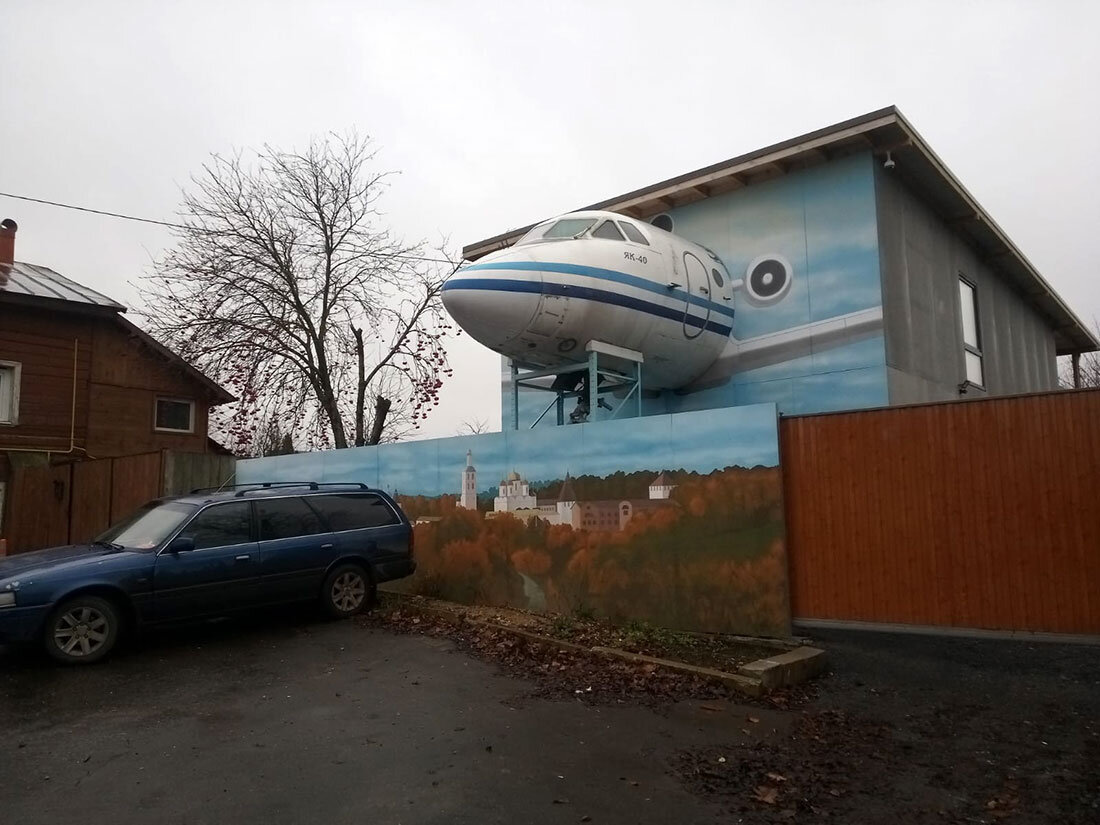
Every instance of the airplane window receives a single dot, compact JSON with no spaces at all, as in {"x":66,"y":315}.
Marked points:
{"x":607,"y":231}
{"x":535,"y":234}
{"x":716,"y":276}
{"x":568,"y":227}
{"x":633,"y":232}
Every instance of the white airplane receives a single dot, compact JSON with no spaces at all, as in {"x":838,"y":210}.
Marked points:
{"x":602,"y":277}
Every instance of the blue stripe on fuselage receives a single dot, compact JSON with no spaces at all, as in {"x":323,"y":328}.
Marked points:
{"x":602,"y":274}
{"x":586,"y":293}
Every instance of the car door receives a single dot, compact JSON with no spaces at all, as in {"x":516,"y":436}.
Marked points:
{"x":364,"y":524}
{"x":295,"y":549}
{"x":222,"y":573}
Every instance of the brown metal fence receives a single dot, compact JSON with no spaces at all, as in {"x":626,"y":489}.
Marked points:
{"x":979,"y":514}
{"x":49,"y":506}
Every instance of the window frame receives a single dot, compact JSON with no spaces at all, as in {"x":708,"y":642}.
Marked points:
{"x":614,"y":228}
{"x":257,"y":516}
{"x":626,"y":227}
{"x":15,"y":369}
{"x":253,"y":527}
{"x":190,"y":402}
{"x":972,"y":349}
{"x":326,"y":522}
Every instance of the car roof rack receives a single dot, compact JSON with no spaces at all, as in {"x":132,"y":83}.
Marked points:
{"x":271,"y":485}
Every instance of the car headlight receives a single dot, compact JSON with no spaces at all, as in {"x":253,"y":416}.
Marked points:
{"x":7,"y":598}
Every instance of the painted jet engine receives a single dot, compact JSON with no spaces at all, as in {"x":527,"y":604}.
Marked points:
{"x":600,"y":276}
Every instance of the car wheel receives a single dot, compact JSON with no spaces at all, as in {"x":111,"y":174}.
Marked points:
{"x":82,"y":630}
{"x":348,"y":590}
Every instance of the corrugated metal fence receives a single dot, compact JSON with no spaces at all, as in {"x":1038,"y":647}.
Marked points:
{"x":979,"y":514}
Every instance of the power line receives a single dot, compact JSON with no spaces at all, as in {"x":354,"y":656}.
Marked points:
{"x":119,"y":215}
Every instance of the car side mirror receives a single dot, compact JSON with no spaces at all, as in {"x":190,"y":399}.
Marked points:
{"x":181,"y":544}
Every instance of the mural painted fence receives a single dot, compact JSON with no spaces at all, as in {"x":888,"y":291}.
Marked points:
{"x":673,"y":519}
{"x":976,"y":514}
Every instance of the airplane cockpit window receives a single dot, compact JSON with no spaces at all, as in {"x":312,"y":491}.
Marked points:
{"x":716,"y":276}
{"x":534,"y":234}
{"x":568,"y":227}
{"x":608,"y":231}
{"x":633,"y":232}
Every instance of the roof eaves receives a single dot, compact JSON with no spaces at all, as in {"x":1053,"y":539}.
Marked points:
{"x":222,"y":395}
{"x":1085,"y":336}
{"x":707,"y":174}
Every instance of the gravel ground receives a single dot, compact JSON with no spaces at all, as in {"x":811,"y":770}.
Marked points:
{"x":919,"y":729}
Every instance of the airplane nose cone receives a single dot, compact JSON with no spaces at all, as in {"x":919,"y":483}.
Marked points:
{"x":494,"y":306}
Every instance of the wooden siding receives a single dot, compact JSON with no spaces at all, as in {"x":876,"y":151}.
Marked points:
{"x":45,"y":352}
{"x":118,"y":381}
{"x":47,"y":506}
{"x":977,"y":514}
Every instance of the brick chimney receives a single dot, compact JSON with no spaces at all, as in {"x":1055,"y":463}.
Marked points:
{"x":7,"y":249}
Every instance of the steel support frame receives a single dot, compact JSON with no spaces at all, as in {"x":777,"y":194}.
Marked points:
{"x":616,"y":380}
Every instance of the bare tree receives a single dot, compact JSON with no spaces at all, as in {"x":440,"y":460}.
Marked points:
{"x":473,"y":426}
{"x":287,"y":286}
{"x":1088,"y":367}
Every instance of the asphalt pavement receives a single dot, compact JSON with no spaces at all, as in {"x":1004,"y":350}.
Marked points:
{"x":295,"y":720}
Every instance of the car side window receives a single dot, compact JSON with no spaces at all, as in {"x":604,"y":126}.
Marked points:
{"x":286,"y":518}
{"x":354,"y":511}
{"x":221,"y":525}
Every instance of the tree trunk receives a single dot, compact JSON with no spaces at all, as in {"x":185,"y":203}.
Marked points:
{"x":381,"y":410}
{"x":360,"y":398}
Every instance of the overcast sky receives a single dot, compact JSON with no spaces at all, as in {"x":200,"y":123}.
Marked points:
{"x":498,"y":114}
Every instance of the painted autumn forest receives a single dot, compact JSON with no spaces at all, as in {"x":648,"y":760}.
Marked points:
{"x":712,"y":560}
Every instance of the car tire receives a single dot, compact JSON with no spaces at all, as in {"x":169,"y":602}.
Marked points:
{"x":82,"y":630}
{"x":348,"y":590}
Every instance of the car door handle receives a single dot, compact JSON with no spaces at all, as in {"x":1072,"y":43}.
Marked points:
{"x":326,"y":546}
{"x":244,"y":557}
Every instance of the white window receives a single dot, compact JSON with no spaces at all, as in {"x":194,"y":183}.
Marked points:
{"x":175,"y":415}
{"x":9,"y":392}
{"x":972,"y":342}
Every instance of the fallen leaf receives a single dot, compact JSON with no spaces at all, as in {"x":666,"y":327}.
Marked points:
{"x":766,"y":794}
{"x":776,"y":777}
{"x":753,"y":719}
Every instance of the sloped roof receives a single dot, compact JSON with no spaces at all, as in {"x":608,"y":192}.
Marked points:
{"x":567,"y":493}
{"x":660,"y":481}
{"x":881,"y":131}
{"x":37,"y":281}
{"x":41,"y":286}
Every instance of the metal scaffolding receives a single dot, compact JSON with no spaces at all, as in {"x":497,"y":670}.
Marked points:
{"x":607,"y":372}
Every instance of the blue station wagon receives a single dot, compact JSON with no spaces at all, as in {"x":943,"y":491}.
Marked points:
{"x":206,"y":555}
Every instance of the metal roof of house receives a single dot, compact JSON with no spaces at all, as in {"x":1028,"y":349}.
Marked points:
{"x":40,"y":285}
{"x":41,"y":282}
{"x":885,"y":130}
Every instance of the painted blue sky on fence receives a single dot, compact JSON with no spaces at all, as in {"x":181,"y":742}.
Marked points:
{"x":695,"y":441}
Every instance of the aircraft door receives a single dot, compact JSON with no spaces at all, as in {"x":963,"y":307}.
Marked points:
{"x":697,"y":285}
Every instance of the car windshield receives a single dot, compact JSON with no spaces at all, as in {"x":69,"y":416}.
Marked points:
{"x":149,"y":526}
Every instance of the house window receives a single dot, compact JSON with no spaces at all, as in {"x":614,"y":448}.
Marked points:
{"x":9,"y":392}
{"x":175,"y":415}
{"x":972,"y":341}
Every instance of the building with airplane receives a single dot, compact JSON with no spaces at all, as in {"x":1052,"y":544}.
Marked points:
{"x":846,"y":268}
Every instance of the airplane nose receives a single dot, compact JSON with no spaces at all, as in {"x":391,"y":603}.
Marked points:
{"x":494,"y":306}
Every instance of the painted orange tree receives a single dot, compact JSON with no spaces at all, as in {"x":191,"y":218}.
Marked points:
{"x":713,"y":559}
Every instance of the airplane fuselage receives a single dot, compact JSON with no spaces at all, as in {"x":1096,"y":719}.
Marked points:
{"x":599,"y":276}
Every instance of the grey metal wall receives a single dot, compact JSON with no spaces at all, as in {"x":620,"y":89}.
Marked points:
{"x":921,"y":260}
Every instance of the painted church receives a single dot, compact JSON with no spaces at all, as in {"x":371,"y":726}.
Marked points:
{"x":514,"y":497}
